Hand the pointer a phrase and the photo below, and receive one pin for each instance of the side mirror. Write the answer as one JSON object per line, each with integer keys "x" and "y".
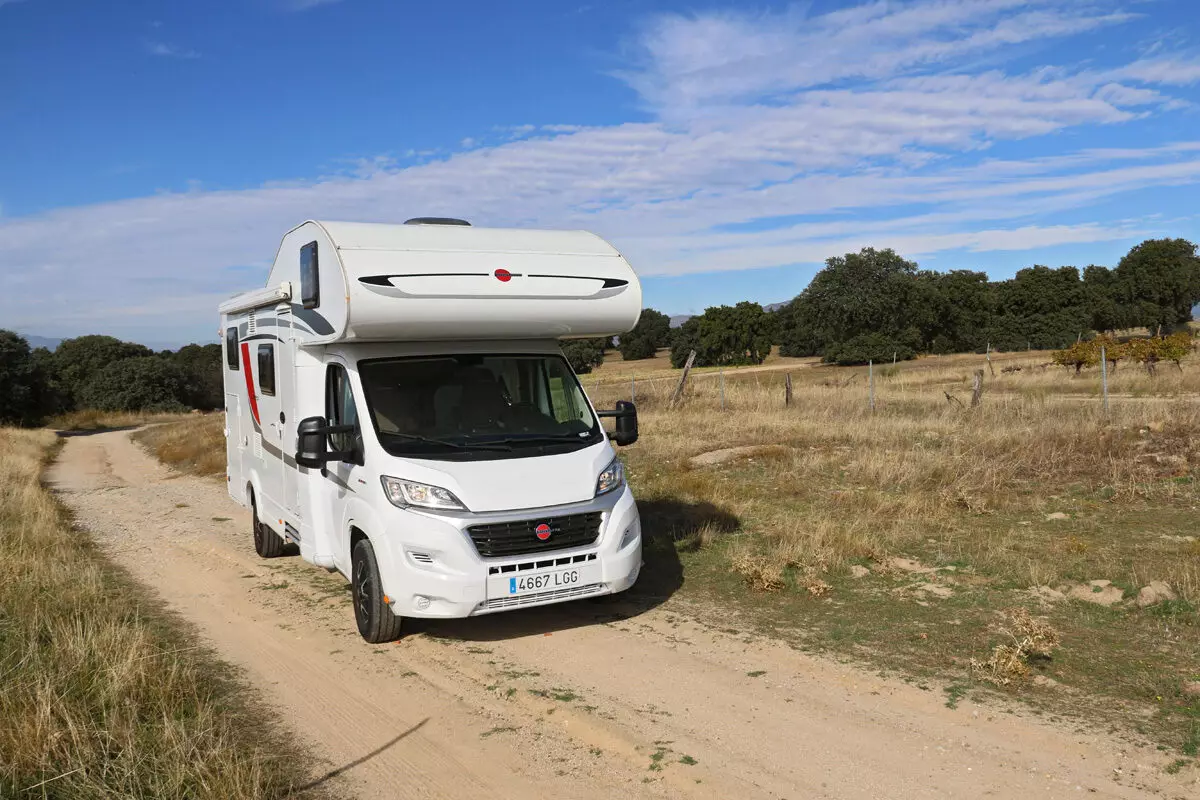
{"x": 626, "y": 431}
{"x": 311, "y": 450}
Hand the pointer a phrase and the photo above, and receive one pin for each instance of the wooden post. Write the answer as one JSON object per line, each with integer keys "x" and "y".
{"x": 687, "y": 367}
{"x": 633, "y": 390}
{"x": 871, "y": 382}
{"x": 1104, "y": 377}
{"x": 722, "y": 390}
{"x": 787, "y": 389}
{"x": 991, "y": 369}
{"x": 893, "y": 358}
{"x": 977, "y": 389}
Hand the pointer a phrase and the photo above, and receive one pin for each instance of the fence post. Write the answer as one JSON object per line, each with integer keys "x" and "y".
{"x": 893, "y": 358}
{"x": 871, "y": 382}
{"x": 991, "y": 369}
{"x": 722, "y": 390}
{"x": 977, "y": 389}
{"x": 687, "y": 367}
{"x": 1104, "y": 377}
{"x": 787, "y": 389}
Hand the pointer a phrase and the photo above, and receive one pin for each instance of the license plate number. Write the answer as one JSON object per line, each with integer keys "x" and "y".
{"x": 545, "y": 582}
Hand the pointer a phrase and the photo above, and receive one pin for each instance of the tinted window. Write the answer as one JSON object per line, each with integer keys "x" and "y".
{"x": 310, "y": 284}
{"x": 231, "y": 348}
{"x": 266, "y": 369}
{"x": 340, "y": 408}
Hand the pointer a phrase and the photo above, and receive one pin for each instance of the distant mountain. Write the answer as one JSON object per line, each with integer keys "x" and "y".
{"x": 40, "y": 341}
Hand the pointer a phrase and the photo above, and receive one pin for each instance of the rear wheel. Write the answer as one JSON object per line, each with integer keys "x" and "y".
{"x": 375, "y": 619}
{"x": 267, "y": 543}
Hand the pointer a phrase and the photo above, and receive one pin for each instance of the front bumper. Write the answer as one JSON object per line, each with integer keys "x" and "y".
{"x": 430, "y": 568}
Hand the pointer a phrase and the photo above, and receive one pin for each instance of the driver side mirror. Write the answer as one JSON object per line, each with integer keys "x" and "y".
{"x": 626, "y": 430}
{"x": 312, "y": 446}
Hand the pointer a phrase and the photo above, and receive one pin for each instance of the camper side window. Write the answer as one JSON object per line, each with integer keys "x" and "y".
{"x": 266, "y": 369}
{"x": 310, "y": 284}
{"x": 340, "y": 408}
{"x": 231, "y": 347}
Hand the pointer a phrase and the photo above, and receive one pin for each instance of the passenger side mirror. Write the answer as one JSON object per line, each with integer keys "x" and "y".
{"x": 626, "y": 431}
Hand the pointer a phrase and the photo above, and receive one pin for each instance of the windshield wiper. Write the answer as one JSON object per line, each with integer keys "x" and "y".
{"x": 413, "y": 437}
{"x": 560, "y": 438}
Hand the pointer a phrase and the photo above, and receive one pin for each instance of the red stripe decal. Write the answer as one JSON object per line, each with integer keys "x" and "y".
{"x": 250, "y": 382}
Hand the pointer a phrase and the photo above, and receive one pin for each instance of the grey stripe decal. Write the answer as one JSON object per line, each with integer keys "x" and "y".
{"x": 278, "y": 453}
{"x": 319, "y": 324}
{"x": 339, "y": 481}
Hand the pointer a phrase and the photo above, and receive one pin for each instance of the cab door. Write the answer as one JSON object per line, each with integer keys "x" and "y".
{"x": 340, "y": 409}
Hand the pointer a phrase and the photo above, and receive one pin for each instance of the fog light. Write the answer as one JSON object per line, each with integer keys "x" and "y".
{"x": 421, "y": 602}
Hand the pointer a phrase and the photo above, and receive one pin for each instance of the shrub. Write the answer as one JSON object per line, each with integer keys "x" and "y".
{"x": 584, "y": 354}
{"x": 145, "y": 383}
{"x": 868, "y": 347}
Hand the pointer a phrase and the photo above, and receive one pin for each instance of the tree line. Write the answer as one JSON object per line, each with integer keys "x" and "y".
{"x": 104, "y": 373}
{"x": 870, "y": 305}
{"x": 875, "y": 305}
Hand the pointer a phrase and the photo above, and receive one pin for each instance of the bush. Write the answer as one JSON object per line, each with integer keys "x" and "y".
{"x": 22, "y": 384}
{"x": 868, "y": 347}
{"x": 145, "y": 383}
{"x": 584, "y": 354}
{"x": 653, "y": 330}
{"x": 725, "y": 336}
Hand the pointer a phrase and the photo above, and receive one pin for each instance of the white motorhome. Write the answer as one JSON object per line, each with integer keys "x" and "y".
{"x": 398, "y": 407}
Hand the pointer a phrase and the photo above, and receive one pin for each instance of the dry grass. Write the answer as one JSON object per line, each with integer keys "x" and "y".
{"x": 1028, "y": 638}
{"x": 194, "y": 444}
{"x": 93, "y": 420}
{"x": 832, "y": 481}
{"x": 102, "y": 695}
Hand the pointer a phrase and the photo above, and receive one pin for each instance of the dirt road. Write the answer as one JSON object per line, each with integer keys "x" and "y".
{"x": 630, "y": 698}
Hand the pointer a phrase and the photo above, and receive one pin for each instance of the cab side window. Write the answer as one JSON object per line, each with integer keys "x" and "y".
{"x": 340, "y": 408}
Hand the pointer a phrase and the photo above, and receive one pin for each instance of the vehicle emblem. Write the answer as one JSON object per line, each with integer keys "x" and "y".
{"x": 542, "y": 531}
{"x": 503, "y": 275}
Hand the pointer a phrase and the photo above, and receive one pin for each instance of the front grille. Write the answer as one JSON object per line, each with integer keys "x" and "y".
{"x": 540, "y": 597}
{"x": 519, "y": 537}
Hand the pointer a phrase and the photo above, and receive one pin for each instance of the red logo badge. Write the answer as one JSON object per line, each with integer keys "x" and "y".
{"x": 543, "y": 531}
{"x": 503, "y": 275}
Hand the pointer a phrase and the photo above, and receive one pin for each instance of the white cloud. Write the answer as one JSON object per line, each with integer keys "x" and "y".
{"x": 777, "y": 139}
{"x": 304, "y": 5}
{"x": 166, "y": 50}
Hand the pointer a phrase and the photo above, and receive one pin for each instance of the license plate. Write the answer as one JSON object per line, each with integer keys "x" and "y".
{"x": 512, "y": 585}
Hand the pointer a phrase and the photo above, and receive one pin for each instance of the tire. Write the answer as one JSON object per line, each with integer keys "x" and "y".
{"x": 267, "y": 543}
{"x": 376, "y": 622}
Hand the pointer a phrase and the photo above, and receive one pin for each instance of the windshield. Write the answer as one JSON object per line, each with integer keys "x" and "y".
{"x": 490, "y": 406}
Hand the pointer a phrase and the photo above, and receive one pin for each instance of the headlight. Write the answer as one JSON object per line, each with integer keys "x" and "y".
{"x": 410, "y": 493}
{"x": 611, "y": 479}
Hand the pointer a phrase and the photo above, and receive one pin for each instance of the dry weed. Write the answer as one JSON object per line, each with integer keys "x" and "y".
{"x": 1030, "y": 638}
{"x": 761, "y": 574}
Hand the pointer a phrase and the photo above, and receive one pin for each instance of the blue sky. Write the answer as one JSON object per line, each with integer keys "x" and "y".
{"x": 152, "y": 153}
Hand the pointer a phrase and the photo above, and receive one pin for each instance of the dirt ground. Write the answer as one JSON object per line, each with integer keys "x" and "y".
{"x": 631, "y": 697}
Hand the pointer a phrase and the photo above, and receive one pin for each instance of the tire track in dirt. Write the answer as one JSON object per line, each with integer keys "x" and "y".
{"x": 625, "y": 697}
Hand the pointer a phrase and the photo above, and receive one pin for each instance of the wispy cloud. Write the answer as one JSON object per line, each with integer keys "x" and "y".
{"x": 776, "y": 139}
{"x": 304, "y": 5}
{"x": 166, "y": 50}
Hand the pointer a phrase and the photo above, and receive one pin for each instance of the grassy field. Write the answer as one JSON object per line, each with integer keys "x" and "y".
{"x": 954, "y": 546}
{"x": 101, "y": 693}
{"x": 916, "y": 537}
{"x": 195, "y": 444}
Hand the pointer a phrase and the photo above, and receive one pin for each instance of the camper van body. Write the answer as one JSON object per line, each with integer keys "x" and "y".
{"x": 453, "y": 436}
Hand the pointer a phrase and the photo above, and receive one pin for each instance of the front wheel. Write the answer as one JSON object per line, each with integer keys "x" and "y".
{"x": 267, "y": 543}
{"x": 376, "y": 622}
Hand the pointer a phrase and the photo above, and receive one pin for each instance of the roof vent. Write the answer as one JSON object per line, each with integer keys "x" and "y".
{"x": 436, "y": 221}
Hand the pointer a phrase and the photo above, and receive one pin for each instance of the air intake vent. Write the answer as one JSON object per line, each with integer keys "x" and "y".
{"x": 437, "y": 221}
